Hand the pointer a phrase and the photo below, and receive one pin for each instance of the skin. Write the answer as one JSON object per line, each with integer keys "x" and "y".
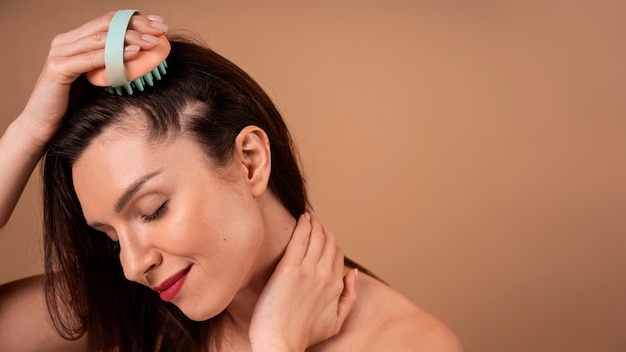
{"x": 212, "y": 221}
{"x": 22, "y": 305}
{"x": 287, "y": 288}
{"x": 222, "y": 237}
{"x": 224, "y": 224}
{"x": 184, "y": 215}
{"x": 71, "y": 54}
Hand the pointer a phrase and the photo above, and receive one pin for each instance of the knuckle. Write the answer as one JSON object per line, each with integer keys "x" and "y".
{"x": 337, "y": 287}
{"x": 284, "y": 270}
{"x": 57, "y": 39}
{"x": 329, "y": 234}
{"x": 98, "y": 37}
{"x": 339, "y": 251}
{"x": 318, "y": 234}
{"x": 108, "y": 16}
{"x": 90, "y": 58}
{"x": 307, "y": 274}
{"x": 138, "y": 21}
{"x": 336, "y": 329}
{"x": 54, "y": 64}
{"x": 327, "y": 279}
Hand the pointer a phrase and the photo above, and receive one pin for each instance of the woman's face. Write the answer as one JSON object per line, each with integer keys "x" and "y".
{"x": 184, "y": 228}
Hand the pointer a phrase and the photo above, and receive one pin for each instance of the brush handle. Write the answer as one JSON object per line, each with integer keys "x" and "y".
{"x": 114, "y": 48}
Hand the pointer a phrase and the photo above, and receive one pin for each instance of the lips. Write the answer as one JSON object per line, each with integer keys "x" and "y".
{"x": 169, "y": 288}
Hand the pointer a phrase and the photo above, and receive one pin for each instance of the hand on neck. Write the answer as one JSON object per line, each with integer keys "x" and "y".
{"x": 278, "y": 228}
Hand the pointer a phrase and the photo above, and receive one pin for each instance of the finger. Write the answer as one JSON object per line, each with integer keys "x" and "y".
{"x": 97, "y": 41}
{"x": 100, "y": 24}
{"x": 297, "y": 246}
{"x": 144, "y": 40}
{"x": 150, "y": 24}
{"x": 330, "y": 251}
{"x": 66, "y": 69}
{"x": 338, "y": 264}
{"x": 316, "y": 242}
{"x": 347, "y": 300}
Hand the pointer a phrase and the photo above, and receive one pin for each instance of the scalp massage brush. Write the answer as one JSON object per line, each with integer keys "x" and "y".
{"x": 119, "y": 77}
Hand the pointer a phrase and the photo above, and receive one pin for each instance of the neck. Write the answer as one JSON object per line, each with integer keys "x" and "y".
{"x": 278, "y": 225}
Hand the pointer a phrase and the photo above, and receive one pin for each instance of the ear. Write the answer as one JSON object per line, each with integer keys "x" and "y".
{"x": 252, "y": 149}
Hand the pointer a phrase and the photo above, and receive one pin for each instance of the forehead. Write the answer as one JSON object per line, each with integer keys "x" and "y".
{"x": 115, "y": 161}
{"x": 119, "y": 155}
{"x": 127, "y": 151}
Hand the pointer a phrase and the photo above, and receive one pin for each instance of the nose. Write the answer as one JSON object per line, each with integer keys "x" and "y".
{"x": 137, "y": 256}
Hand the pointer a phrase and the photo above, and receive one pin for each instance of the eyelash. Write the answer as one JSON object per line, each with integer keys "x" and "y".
{"x": 156, "y": 214}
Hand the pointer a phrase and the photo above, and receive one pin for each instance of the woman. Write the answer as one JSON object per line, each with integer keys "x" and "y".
{"x": 191, "y": 189}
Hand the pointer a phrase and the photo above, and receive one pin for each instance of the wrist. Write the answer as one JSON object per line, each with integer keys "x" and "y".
{"x": 273, "y": 345}
{"x": 23, "y": 136}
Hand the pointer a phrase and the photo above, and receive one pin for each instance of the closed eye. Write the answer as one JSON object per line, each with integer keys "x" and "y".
{"x": 155, "y": 215}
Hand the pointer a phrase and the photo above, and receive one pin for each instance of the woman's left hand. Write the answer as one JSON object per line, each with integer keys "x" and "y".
{"x": 308, "y": 297}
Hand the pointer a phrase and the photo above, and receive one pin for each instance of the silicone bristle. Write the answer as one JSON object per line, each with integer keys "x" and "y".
{"x": 140, "y": 83}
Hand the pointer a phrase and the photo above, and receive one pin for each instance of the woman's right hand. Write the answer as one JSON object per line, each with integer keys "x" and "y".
{"x": 71, "y": 54}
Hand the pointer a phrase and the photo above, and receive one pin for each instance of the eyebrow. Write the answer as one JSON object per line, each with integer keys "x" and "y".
{"x": 127, "y": 196}
{"x": 132, "y": 190}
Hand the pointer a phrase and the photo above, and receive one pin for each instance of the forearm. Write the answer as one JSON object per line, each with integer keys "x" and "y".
{"x": 19, "y": 154}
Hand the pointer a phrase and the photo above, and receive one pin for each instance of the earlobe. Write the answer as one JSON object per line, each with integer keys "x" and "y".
{"x": 253, "y": 151}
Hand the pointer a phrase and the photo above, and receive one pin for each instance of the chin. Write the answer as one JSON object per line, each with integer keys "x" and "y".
{"x": 200, "y": 313}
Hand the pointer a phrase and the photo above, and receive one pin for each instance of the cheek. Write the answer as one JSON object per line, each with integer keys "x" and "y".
{"x": 237, "y": 226}
{"x": 227, "y": 224}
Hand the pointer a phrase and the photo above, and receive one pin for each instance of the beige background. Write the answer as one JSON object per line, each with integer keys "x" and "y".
{"x": 472, "y": 153}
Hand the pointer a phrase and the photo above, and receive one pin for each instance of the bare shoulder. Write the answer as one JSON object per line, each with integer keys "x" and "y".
{"x": 385, "y": 320}
{"x": 24, "y": 319}
{"x": 403, "y": 326}
{"x": 416, "y": 330}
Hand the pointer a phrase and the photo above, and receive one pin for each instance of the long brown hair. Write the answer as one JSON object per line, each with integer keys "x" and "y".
{"x": 86, "y": 290}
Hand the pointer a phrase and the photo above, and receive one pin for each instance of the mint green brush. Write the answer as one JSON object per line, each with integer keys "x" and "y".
{"x": 119, "y": 77}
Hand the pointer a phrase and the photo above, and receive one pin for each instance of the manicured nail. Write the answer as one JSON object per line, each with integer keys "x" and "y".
{"x": 150, "y": 38}
{"x": 132, "y": 48}
{"x": 156, "y": 18}
{"x": 160, "y": 26}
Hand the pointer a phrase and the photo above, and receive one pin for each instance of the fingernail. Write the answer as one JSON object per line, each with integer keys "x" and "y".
{"x": 160, "y": 26}
{"x": 307, "y": 215}
{"x": 150, "y": 38}
{"x": 131, "y": 48}
{"x": 156, "y": 18}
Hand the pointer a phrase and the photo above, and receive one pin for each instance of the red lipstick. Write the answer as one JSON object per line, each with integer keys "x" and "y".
{"x": 169, "y": 288}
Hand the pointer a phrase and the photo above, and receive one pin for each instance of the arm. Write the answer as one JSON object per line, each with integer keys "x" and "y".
{"x": 18, "y": 158}
{"x": 308, "y": 297}
{"x": 24, "y": 319}
{"x": 71, "y": 54}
